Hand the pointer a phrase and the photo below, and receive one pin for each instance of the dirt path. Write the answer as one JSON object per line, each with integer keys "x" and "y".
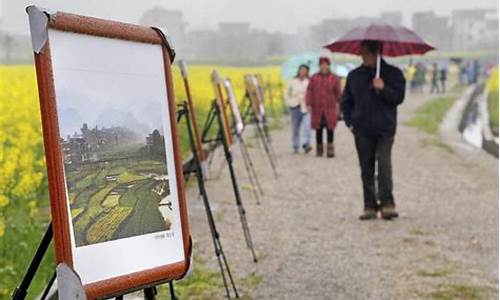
{"x": 311, "y": 244}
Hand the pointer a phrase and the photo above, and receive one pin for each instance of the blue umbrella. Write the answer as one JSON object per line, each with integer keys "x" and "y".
{"x": 290, "y": 66}
{"x": 340, "y": 70}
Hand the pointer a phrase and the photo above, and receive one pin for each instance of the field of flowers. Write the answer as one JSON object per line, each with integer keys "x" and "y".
{"x": 492, "y": 86}
{"x": 24, "y": 211}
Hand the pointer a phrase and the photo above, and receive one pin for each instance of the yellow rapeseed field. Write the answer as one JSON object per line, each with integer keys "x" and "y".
{"x": 24, "y": 212}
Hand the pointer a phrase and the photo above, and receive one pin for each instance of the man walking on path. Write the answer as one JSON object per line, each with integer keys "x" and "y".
{"x": 323, "y": 98}
{"x": 435, "y": 79}
{"x": 370, "y": 105}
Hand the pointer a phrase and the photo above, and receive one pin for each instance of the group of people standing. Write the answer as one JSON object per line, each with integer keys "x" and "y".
{"x": 368, "y": 106}
{"x": 314, "y": 104}
{"x": 438, "y": 79}
{"x": 416, "y": 74}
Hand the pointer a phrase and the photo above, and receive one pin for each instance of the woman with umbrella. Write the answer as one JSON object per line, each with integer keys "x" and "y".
{"x": 369, "y": 104}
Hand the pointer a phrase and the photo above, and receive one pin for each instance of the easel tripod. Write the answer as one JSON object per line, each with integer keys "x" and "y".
{"x": 262, "y": 135}
{"x": 215, "y": 115}
{"x": 219, "y": 252}
{"x": 21, "y": 291}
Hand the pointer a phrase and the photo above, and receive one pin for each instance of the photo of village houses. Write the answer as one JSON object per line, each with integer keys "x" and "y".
{"x": 117, "y": 182}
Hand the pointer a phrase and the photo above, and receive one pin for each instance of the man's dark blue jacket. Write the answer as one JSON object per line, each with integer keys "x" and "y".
{"x": 367, "y": 110}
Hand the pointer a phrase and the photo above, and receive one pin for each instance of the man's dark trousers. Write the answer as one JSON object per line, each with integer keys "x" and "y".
{"x": 371, "y": 148}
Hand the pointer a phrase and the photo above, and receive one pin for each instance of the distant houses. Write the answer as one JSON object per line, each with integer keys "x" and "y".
{"x": 75, "y": 150}
{"x": 155, "y": 145}
{"x": 89, "y": 143}
{"x": 240, "y": 43}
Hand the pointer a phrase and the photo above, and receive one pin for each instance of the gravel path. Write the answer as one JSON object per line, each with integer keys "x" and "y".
{"x": 311, "y": 244}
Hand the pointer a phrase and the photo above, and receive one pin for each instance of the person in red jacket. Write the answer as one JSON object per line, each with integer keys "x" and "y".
{"x": 323, "y": 99}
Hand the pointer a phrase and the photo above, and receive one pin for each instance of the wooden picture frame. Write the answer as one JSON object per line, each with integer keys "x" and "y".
{"x": 254, "y": 96}
{"x": 239, "y": 125}
{"x": 49, "y": 33}
{"x": 219, "y": 99}
{"x": 196, "y": 131}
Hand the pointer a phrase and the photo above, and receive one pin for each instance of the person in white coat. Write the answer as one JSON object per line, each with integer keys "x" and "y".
{"x": 295, "y": 98}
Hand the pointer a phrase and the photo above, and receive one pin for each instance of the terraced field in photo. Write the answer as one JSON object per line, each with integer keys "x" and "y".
{"x": 109, "y": 203}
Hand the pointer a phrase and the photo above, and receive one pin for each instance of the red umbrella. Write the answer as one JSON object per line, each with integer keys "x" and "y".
{"x": 395, "y": 40}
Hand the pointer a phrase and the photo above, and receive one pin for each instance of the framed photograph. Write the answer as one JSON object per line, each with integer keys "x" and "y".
{"x": 114, "y": 170}
{"x": 219, "y": 99}
{"x": 255, "y": 97}
{"x": 238, "y": 121}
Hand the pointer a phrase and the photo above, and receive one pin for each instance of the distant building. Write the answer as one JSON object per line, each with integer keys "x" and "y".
{"x": 330, "y": 29}
{"x": 105, "y": 137}
{"x": 170, "y": 20}
{"x": 155, "y": 144}
{"x": 433, "y": 28}
{"x": 75, "y": 151}
{"x": 202, "y": 45}
{"x": 89, "y": 143}
{"x": 234, "y": 29}
{"x": 233, "y": 41}
{"x": 474, "y": 29}
{"x": 392, "y": 18}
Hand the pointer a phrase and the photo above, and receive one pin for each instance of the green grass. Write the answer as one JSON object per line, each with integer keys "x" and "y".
{"x": 493, "y": 111}
{"x": 437, "y": 142}
{"x": 440, "y": 272}
{"x": 203, "y": 284}
{"x": 461, "y": 291}
{"x": 206, "y": 284}
{"x": 428, "y": 116}
{"x": 492, "y": 87}
{"x": 252, "y": 280}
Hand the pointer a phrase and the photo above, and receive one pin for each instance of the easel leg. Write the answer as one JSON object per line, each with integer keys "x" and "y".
{"x": 262, "y": 137}
{"x": 252, "y": 167}
{"x": 48, "y": 287}
{"x": 150, "y": 293}
{"x": 172, "y": 291}
{"x": 219, "y": 252}
{"x": 239, "y": 203}
{"x": 22, "y": 290}
{"x": 268, "y": 138}
{"x": 252, "y": 174}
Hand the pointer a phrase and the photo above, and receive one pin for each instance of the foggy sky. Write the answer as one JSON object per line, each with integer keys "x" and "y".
{"x": 272, "y": 15}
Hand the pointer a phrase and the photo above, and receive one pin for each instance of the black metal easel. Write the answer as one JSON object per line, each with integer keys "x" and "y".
{"x": 219, "y": 252}
{"x": 249, "y": 167}
{"x": 21, "y": 291}
{"x": 262, "y": 134}
{"x": 213, "y": 115}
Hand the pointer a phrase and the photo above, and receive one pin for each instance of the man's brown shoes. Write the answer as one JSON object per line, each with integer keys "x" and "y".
{"x": 389, "y": 212}
{"x": 368, "y": 214}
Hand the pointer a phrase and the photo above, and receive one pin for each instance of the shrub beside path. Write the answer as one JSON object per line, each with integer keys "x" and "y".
{"x": 311, "y": 245}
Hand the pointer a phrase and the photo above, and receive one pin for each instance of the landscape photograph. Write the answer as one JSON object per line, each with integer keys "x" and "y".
{"x": 117, "y": 183}
{"x": 115, "y": 162}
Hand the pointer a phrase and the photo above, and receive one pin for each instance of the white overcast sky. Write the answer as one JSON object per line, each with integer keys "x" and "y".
{"x": 273, "y": 15}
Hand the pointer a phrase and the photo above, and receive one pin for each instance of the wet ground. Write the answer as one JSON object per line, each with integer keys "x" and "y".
{"x": 311, "y": 244}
